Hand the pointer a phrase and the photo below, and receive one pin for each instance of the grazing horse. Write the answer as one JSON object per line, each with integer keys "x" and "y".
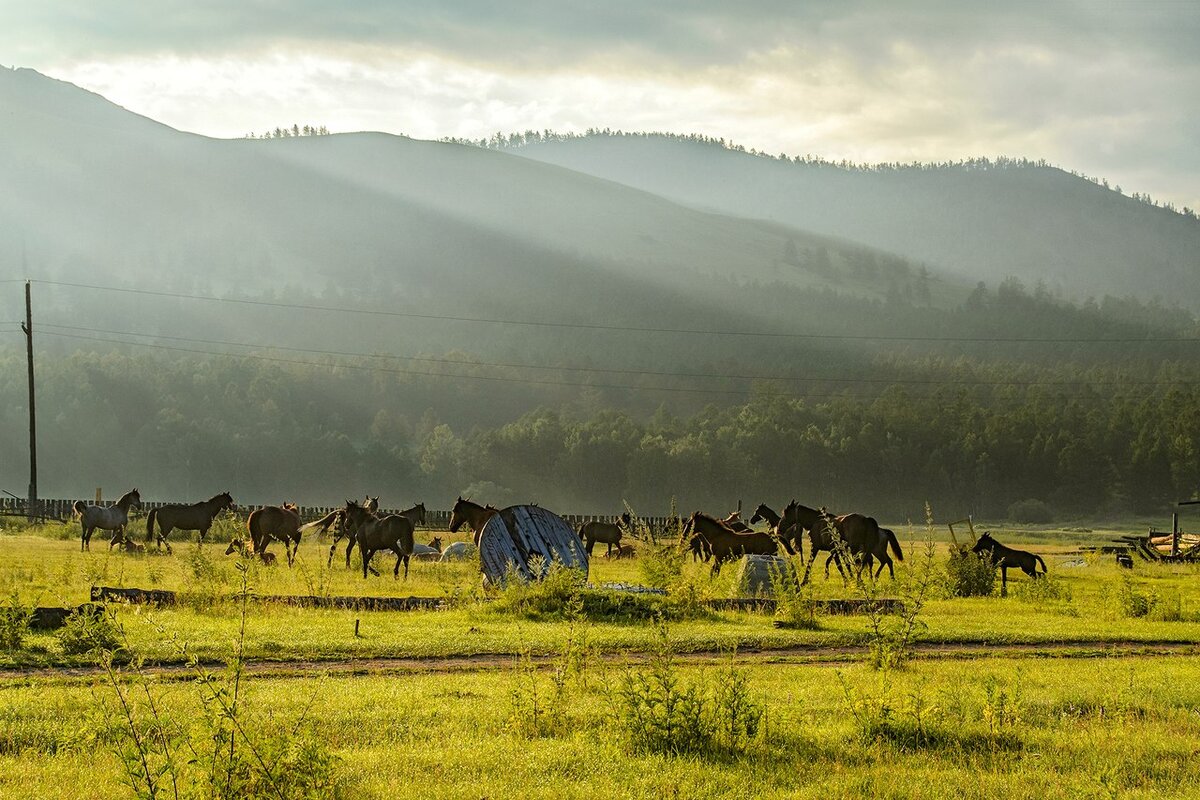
{"x": 240, "y": 547}
{"x": 109, "y": 518}
{"x": 1005, "y": 557}
{"x": 472, "y": 515}
{"x": 374, "y": 533}
{"x": 196, "y": 517}
{"x": 723, "y": 543}
{"x": 608, "y": 533}
{"x": 275, "y": 522}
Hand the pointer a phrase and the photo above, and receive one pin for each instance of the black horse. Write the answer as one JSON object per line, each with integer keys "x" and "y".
{"x": 1005, "y": 557}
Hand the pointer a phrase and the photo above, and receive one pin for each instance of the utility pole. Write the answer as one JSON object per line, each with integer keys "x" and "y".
{"x": 34, "y": 510}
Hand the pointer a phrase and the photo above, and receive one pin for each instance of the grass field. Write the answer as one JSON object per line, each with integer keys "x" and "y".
{"x": 539, "y": 712}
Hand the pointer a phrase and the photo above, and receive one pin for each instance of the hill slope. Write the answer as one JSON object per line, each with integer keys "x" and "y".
{"x": 983, "y": 221}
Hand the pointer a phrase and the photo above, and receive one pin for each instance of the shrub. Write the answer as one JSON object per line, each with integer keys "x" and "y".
{"x": 969, "y": 574}
{"x": 1130, "y": 602}
{"x": 1046, "y": 589}
{"x": 91, "y": 629}
{"x": 660, "y": 565}
{"x": 1030, "y": 511}
{"x": 795, "y": 606}
{"x": 659, "y": 713}
{"x": 14, "y": 623}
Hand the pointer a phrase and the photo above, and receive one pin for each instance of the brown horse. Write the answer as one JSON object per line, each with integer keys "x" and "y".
{"x": 887, "y": 538}
{"x": 108, "y": 518}
{"x": 794, "y": 522}
{"x": 275, "y": 522}
{"x": 373, "y": 533}
{"x": 855, "y": 534}
{"x": 723, "y": 543}
{"x": 194, "y": 517}
{"x": 1005, "y": 557}
{"x": 416, "y": 515}
{"x": 608, "y": 533}
{"x": 473, "y": 515}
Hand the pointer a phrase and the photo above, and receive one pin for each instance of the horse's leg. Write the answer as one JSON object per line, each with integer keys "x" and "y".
{"x": 350, "y": 549}
{"x": 608, "y": 554}
{"x": 163, "y": 532}
{"x": 399, "y": 558}
{"x": 366, "y": 558}
{"x": 590, "y": 544}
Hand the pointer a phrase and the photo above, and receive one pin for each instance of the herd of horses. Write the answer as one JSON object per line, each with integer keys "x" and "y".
{"x": 856, "y": 537}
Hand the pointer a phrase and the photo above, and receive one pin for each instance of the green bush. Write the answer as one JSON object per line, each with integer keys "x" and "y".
{"x": 14, "y": 623}
{"x": 1132, "y": 603}
{"x": 659, "y": 713}
{"x": 1030, "y": 511}
{"x": 91, "y": 629}
{"x": 969, "y": 574}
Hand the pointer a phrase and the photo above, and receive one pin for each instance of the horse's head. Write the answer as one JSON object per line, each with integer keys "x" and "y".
{"x": 420, "y": 509}
{"x": 985, "y": 542}
{"x": 436, "y": 543}
{"x": 226, "y": 501}
{"x": 290, "y": 507}
{"x": 626, "y": 519}
{"x": 371, "y": 503}
{"x": 235, "y": 546}
{"x": 759, "y": 513}
{"x": 458, "y": 514}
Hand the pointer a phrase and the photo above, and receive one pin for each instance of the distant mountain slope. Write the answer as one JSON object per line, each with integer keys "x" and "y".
{"x": 980, "y": 221}
{"x": 94, "y": 190}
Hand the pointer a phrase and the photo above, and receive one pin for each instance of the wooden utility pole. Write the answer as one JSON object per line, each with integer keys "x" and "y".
{"x": 33, "y": 510}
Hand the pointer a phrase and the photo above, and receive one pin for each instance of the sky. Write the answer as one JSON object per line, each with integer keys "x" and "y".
{"x": 1108, "y": 89}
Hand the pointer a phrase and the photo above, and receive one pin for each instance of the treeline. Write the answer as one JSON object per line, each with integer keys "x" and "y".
{"x": 185, "y": 428}
{"x": 518, "y": 139}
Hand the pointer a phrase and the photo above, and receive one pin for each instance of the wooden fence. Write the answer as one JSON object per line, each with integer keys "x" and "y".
{"x": 60, "y": 509}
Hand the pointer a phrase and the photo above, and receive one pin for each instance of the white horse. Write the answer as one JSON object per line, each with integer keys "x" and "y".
{"x": 110, "y": 518}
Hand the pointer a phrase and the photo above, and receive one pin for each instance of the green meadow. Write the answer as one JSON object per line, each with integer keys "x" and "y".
{"x": 1081, "y": 685}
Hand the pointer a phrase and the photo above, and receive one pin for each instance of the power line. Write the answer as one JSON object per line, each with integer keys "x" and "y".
{"x": 638, "y": 372}
{"x": 629, "y": 328}
{"x": 575, "y": 384}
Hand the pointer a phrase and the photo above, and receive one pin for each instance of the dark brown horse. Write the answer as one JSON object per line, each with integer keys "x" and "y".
{"x": 608, "y": 533}
{"x": 887, "y": 538}
{"x": 373, "y": 533}
{"x": 852, "y": 534}
{"x": 416, "y": 515}
{"x": 108, "y": 518}
{"x": 1005, "y": 557}
{"x": 473, "y": 515}
{"x": 795, "y": 521}
{"x": 275, "y": 522}
{"x": 722, "y": 543}
{"x": 194, "y": 517}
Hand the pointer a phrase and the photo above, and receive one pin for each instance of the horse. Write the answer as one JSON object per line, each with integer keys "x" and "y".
{"x": 857, "y": 534}
{"x": 335, "y": 516}
{"x": 428, "y": 552}
{"x": 765, "y": 513}
{"x": 608, "y": 533}
{"x": 472, "y": 515}
{"x": 240, "y": 547}
{"x": 724, "y": 543}
{"x": 794, "y": 522}
{"x": 416, "y": 515}
{"x": 374, "y": 533}
{"x": 194, "y": 517}
{"x": 275, "y": 522}
{"x": 1005, "y": 557}
{"x": 110, "y": 518}
{"x": 734, "y": 522}
{"x": 623, "y": 551}
{"x": 887, "y": 538}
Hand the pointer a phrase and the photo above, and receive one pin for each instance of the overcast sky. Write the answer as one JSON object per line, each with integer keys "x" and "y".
{"x": 1109, "y": 89}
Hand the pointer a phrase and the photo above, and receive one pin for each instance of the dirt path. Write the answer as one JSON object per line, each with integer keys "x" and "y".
{"x": 805, "y": 654}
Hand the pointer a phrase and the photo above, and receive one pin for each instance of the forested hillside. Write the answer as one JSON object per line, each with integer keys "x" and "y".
{"x": 986, "y": 218}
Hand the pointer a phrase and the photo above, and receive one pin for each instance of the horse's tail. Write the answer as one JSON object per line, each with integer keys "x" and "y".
{"x": 1043, "y": 563}
{"x": 150, "y": 524}
{"x": 253, "y": 525}
{"x": 893, "y": 543}
{"x": 79, "y": 507}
